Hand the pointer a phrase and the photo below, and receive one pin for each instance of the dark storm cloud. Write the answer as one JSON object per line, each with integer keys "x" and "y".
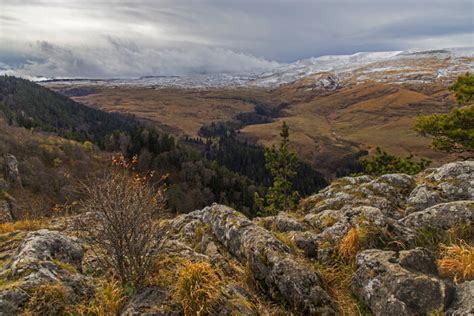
{"x": 132, "y": 38}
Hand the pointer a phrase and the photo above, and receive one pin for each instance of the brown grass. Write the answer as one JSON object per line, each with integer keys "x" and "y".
{"x": 322, "y": 125}
{"x": 48, "y": 299}
{"x": 27, "y": 225}
{"x": 108, "y": 300}
{"x": 457, "y": 261}
{"x": 337, "y": 278}
{"x": 197, "y": 288}
{"x": 350, "y": 244}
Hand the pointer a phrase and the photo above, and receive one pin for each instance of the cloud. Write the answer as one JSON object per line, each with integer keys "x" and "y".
{"x": 145, "y": 37}
{"x": 118, "y": 58}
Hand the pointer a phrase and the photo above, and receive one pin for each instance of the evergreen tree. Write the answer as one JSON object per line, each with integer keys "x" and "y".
{"x": 453, "y": 132}
{"x": 282, "y": 164}
{"x": 383, "y": 163}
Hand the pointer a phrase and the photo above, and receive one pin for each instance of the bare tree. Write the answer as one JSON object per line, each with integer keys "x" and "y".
{"x": 119, "y": 224}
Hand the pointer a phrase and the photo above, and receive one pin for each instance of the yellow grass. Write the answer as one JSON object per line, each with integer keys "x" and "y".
{"x": 350, "y": 244}
{"x": 457, "y": 261}
{"x": 197, "y": 287}
{"x": 337, "y": 278}
{"x": 26, "y": 224}
{"x": 48, "y": 299}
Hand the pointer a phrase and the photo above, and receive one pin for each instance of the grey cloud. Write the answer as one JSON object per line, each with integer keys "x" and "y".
{"x": 130, "y": 38}
{"x": 127, "y": 59}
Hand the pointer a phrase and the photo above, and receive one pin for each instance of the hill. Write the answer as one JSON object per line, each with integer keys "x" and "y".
{"x": 349, "y": 247}
{"x": 199, "y": 173}
{"x": 338, "y": 107}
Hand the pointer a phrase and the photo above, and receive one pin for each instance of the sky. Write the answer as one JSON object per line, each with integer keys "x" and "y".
{"x": 107, "y": 39}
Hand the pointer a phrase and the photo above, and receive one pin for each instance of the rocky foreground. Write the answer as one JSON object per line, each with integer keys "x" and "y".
{"x": 383, "y": 233}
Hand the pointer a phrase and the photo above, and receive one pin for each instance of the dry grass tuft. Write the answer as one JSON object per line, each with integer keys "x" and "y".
{"x": 48, "y": 299}
{"x": 350, "y": 244}
{"x": 197, "y": 287}
{"x": 337, "y": 278}
{"x": 457, "y": 261}
{"x": 108, "y": 300}
{"x": 26, "y": 224}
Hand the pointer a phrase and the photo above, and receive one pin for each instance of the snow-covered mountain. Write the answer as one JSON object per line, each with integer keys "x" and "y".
{"x": 413, "y": 66}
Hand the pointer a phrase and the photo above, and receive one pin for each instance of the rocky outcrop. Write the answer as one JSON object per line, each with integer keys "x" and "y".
{"x": 404, "y": 283}
{"x": 12, "y": 173}
{"x": 271, "y": 261}
{"x": 44, "y": 257}
{"x": 282, "y": 255}
{"x": 450, "y": 182}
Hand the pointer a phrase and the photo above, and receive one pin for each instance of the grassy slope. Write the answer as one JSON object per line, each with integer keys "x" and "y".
{"x": 324, "y": 125}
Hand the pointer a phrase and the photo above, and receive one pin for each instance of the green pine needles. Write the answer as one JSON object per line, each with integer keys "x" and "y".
{"x": 282, "y": 164}
{"x": 453, "y": 132}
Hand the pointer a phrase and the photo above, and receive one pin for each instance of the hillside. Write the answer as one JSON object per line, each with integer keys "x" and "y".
{"x": 345, "y": 251}
{"x": 337, "y": 106}
{"x": 199, "y": 174}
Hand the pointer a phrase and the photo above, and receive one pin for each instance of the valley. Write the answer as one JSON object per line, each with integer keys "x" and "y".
{"x": 336, "y": 106}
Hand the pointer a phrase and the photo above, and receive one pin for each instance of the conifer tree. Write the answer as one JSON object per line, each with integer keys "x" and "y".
{"x": 282, "y": 164}
{"x": 453, "y": 132}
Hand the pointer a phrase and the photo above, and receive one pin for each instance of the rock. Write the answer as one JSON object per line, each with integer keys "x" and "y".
{"x": 387, "y": 193}
{"x": 236, "y": 301}
{"x": 444, "y": 215}
{"x": 5, "y": 211}
{"x": 282, "y": 223}
{"x": 269, "y": 259}
{"x": 3, "y": 184}
{"x": 450, "y": 182}
{"x": 463, "y": 302}
{"x": 11, "y": 170}
{"x": 404, "y": 283}
{"x": 422, "y": 197}
{"x": 44, "y": 245}
{"x": 306, "y": 241}
{"x": 152, "y": 300}
{"x": 43, "y": 257}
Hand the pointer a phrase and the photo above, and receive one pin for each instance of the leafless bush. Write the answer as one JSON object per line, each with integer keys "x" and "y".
{"x": 122, "y": 209}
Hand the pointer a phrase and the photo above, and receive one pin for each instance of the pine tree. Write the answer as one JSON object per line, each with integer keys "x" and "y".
{"x": 282, "y": 164}
{"x": 453, "y": 132}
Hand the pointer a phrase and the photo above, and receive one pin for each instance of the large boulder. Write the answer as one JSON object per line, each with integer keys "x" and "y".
{"x": 403, "y": 283}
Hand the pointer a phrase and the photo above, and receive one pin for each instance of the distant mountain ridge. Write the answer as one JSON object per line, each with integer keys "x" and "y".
{"x": 403, "y": 66}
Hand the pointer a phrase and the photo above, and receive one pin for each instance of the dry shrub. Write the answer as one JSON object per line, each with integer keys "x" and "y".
{"x": 457, "y": 261}
{"x": 48, "y": 299}
{"x": 120, "y": 223}
{"x": 350, "y": 244}
{"x": 197, "y": 287}
{"x": 26, "y": 224}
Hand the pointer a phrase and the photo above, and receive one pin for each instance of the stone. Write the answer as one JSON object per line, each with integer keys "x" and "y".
{"x": 269, "y": 259}
{"x": 450, "y": 182}
{"x": 11, "y": 170}
{"x": 282, "y": 223}
{"x": 43, "y": 257}
{"x": 463, "y": 302}
{"x": 444, "y": 215}
{"x": 152, "y": 300}
{"x": 5, "y": 211}
{"x": 404, "y": 283}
